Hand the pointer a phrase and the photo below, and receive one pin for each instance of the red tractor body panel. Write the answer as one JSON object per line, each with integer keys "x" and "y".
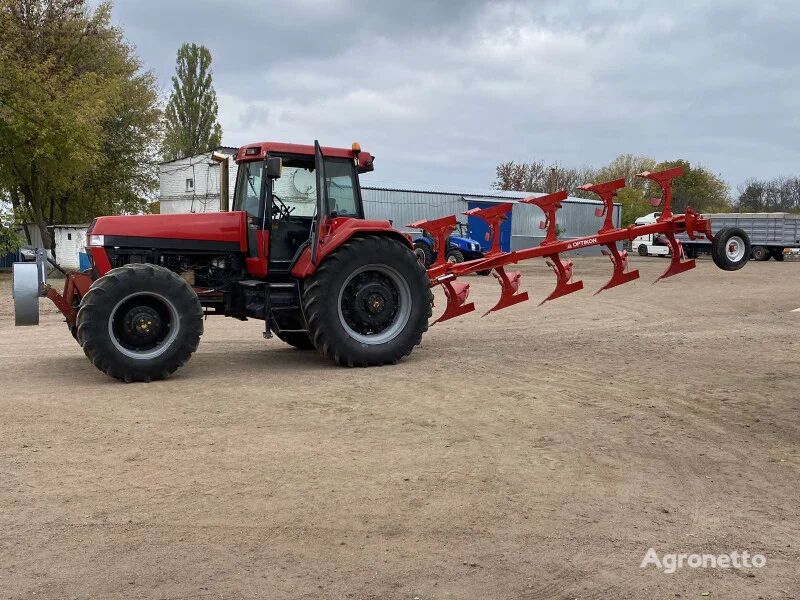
{"x": 223, "y": 227}
{"x": 338, "y": 231}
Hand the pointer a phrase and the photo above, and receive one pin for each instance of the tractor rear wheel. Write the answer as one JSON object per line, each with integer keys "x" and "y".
{"x": 140, "y": 322}
{"x": 368, "y": 303}
{"x": 424, "y": 253}
{"x": 298, "y": 339}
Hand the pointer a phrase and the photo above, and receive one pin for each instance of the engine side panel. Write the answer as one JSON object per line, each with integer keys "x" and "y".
{"x": 223, "y": 231}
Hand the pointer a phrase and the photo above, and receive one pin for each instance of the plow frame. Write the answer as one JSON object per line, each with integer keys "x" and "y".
{"x": 607, "y": 236}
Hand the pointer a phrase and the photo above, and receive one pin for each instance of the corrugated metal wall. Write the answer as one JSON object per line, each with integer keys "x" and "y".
{"x": 577, "y": 216}
{"x": 7, "y": 261}
{"x": 404, "y": 207}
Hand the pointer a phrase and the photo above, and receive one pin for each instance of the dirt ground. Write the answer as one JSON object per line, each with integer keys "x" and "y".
{"x": 535, "y": 453}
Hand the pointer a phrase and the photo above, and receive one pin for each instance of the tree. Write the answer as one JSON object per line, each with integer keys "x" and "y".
{"x": 191, "y": 115}
{"x": 536, "y": 176}
{"x": 699, "y": 188}
{"x": 634, "y": 197}
{"x": 781, "y": 194}
{"x": 79, "y": 120}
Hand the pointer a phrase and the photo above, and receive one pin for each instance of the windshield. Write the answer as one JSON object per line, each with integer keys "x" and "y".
{"x": 248, "y": 188}
{"x": 296, "y": 188}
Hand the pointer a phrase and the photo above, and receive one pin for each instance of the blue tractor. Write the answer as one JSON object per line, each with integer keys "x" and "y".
{"x": 460, "y": 247}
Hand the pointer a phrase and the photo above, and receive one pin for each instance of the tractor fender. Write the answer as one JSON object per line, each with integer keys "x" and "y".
{"x": 339, "y": 232}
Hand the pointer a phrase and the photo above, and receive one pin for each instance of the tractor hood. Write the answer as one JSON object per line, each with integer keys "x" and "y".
{"x": 464, "y": 243}
{"x": 218, "y": 231}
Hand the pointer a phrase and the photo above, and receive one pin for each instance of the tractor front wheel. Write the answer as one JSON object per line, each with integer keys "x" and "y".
{"x": 368, "y": 303}
{"x": 455, "y": 256}
{"x": 139, "y": 322}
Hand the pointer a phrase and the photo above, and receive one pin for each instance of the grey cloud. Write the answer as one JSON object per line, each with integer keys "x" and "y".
{"x": 442, "y": 91}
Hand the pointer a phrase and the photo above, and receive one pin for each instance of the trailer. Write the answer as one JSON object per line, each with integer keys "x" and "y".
{"x": 771, "y": 234}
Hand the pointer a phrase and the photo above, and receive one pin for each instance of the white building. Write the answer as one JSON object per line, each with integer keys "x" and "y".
{"x": 70, "y": 243}
{"x": 192, "y": 184}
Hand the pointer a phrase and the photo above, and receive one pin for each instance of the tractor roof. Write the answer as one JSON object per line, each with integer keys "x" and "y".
{"x": 259, "y": 150}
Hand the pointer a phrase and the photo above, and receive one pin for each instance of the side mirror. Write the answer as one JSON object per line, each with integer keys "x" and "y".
{"x": 274, "y": 166}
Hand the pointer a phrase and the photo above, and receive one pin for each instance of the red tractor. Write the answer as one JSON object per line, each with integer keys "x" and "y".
{"x": 297, "y": 253}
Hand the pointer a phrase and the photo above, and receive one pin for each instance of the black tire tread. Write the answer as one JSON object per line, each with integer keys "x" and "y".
{"x": 92, "y": 322}
{"x": 718, "y": 254}
{"x": 317, "y": 291}
{"x": 455, "y": 252}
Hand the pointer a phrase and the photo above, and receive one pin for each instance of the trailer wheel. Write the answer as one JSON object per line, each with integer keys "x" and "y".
{"x": 759, "y": 253}
{"x": 642, "y": 250}
{"x": 297, "y": 339}
{"x": 140, "y": 322}
{"x": 690, "y": 250}
{"x": 730, "y": 249}
{"x": 368, "y": 303}
{"x": 777, "y": 254}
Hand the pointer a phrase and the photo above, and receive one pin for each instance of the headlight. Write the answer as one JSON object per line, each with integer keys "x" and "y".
{"x": 95, "y": 240}
{"x": 476, "y": 246}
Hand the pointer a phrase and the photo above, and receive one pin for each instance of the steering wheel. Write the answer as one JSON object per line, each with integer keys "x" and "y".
{"x": 281, "y": 209}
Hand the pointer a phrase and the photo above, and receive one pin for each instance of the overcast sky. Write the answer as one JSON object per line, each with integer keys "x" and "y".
{"x": 442, "y": 91}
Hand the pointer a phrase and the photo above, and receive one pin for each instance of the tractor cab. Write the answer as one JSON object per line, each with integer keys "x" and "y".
{"x": 291, "y": 194}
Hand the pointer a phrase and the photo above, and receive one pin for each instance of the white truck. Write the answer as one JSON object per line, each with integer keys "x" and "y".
{"x": 771, "y": 235}
{"x": 649, "y": 245}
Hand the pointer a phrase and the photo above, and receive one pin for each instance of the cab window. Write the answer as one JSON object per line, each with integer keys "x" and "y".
{"x": 248, "y": 188}
{"x": 342, "y": 192}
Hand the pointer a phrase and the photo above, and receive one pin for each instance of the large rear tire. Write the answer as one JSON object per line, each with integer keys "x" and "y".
{"x": 730, "y": 249}
{"x": 368, "y": 303}
{"x": 139, "y": 322}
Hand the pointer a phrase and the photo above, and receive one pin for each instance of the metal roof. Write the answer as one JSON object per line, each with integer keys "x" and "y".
{"x": 233, "y": 150}
{"x": 489, "y": 195}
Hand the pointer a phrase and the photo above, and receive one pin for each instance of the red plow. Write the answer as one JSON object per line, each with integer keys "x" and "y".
{"x": 668, "y": 224}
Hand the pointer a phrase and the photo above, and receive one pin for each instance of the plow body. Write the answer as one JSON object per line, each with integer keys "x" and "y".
{"x": 607, "y": 236}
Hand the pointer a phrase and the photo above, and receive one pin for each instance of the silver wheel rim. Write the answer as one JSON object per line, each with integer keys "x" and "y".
{"x": 400, "y": 319}
{"x": 163, "y": 345}
{"x": 452, "y": 259}
{"x": 734, "y": 248}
